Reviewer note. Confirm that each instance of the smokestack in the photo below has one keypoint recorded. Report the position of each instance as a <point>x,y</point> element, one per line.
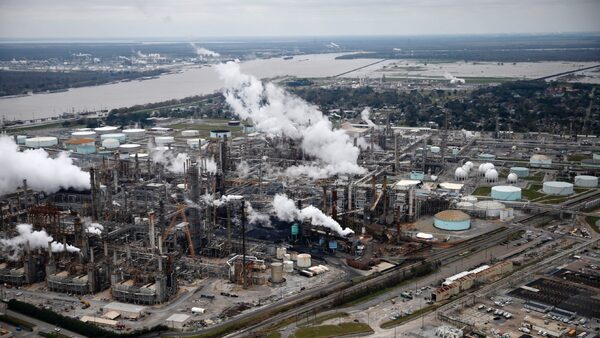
<point>396,163</point>
<point>160,267</point>
<point>325,198</point>
<point>160,246</point>
<point>152,232</point>
<point>91,255</point>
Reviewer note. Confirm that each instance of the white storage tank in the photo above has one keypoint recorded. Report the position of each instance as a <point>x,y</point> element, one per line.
<point>303,261</point>
<point>130,147</point>
<point>118,136</point>
<point>288,266</point>
<point>435,149</point>
<point>277,273</point>
<point>194,143</point>
<point>539,160</point>
<point>489,209</point>
<point>42,141</point>
<point>190,133</point>
<point>506,193</point>
<point>512,178</point>
<point>164,139</point>
<point>220,133</point>
<point>106,130</point>
<point>460,174</point>
<point>84,134</point>
<point>586,181</point>
<point>133,133</point>
<point>521,172</point>
<point>469,198</point>
<point>491,175</point>
<point>281,251</point>
<point>557,188</point>
<point>465,206</point>
<point>111,143</point>
<point>21,139</point>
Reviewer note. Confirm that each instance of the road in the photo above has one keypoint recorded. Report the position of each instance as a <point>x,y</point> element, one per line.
<point>41,326</point>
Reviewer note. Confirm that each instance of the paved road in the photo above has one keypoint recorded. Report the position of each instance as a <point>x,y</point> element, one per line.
<point>40,326</point>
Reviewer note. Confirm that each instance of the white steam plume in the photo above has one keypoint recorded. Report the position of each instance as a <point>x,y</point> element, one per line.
<point>276,113</point>
<point>174,164</point>
<point>286,210</point>
<point>364,115</point>
<point>211,165</point>
<point>38,239</point>
<point>255,217</point>
<point>202,52</point>
<point>93,228</point>
<point>243,169</point>
<point>453,79</point>
<point>42,172</point>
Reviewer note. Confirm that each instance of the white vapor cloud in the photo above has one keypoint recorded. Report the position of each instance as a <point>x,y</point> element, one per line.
<point>39,239</point>
<point>42,172</point>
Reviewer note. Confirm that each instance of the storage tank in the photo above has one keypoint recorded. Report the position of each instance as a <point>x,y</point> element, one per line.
<point>42,141</point>
<point>194,143</point>
<point>453,220</point>
<point>486,157</point>
<point>106,130</point>
<point>491,175</point>
<point>469,164</point>
<point>303,260</point>
<point>489,209</point>
<point>130,147</point>
<point>281,251</point>
<point>111,143</point>
<point>117,136</point>
<point>484,167</point>
<point>21,139</point>
<point>465,206</point>
<point>190,133</point>
<point>506,193</point>
<point>134,132</point>
<point>276,273</point>
<point>288,266</point>
<point>164,139</point>
<point>460,174</point>
<point>469,198</point>
<point>539,160</point>
<point>586,181</point>
<point>435,149</point>
<point>83,134</point>
<point>512,178</point>
<point>521,172</point>
<point>557,188</point>
<point>220,133</point>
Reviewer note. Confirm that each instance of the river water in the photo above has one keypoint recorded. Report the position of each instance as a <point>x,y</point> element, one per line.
<point>205,80</point>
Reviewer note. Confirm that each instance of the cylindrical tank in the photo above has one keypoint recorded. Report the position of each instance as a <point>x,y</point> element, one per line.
<point>288,266</point>
<point>133,133</point>
<point>465,206</point>
<point>164,139</point>
<point>83,134</point>
<point>190,133</point>
<point>295,229</point>
<point>455,151</point>
<point>130,147</point>
<point>557,188</point>
<point>303,261</point>
<point>487,157</point>
<point>194,143</point>
<point>435,149</point>
<point>220,133</point>
<point>469,198</point>
<point>276,272</point>
<point>280,252</point>
<point>452,220</point>
<point>42,141</point>
<point>586,181</point>
<point>522,172</point>
<point>106,130</point>
<point>506,193</point>
<point>287,257</point>
<point>489,209</point>
<point>111,143</point>
<point>21,139</point>
<point>118,136</point>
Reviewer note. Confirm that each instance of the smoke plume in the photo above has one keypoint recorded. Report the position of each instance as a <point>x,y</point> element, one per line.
<point>286,210</point>
<point>203,52</point>
<point>42,172</point>
<point>38,239</point>
<point>278,113</point>
<point>174,164</point>
<point>93,228</point>
<point>453,79</point>
<point>364,115</point>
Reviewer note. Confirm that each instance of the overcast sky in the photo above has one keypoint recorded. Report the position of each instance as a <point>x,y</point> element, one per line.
<point>66,19</point>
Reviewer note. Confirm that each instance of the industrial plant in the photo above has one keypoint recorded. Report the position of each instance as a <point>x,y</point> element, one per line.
<point>234,226</point>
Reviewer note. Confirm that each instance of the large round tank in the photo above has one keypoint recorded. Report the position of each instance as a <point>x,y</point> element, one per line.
<point>522,172</point>
<point>220,133</point>
<point>280,252</point>
<point>194,143</point>
<point>435,149</point>
<point>111,143</point>
<point>130,147</point>
<point>303,260</point>
<point>453,220</point>
<point>586,181</point>
<point>460,174</point>
<point>486,157</point>
<point>512,178</point>
<point>491,175</point>
<point>489,209</point>
<point>190,133</point>
<point>42,141</point>
<point>164,139</point>
<point>484,167</point>
<point>506,193</point>
<point>539,160</point>
<point>106,130</point>
<point>465,206</point>
<point>133,133</point>
<point>83,134</point>
<point>288,266</point>
<point>118,136</point>
<point>557,188</point>
<point>469,198</point>
<point>81,145</point>
<point>276,272</point>
<point>469,164</point>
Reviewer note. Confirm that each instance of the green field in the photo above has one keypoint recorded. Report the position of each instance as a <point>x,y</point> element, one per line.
<point>207,125</point>
<point>532,192</point>
<point>482,191</point>
<point>537,177</point>
<point>396,322</point>
<point>592,220</point>
<point>326,331</point>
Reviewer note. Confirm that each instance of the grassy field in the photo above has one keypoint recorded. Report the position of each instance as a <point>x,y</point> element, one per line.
<point>207,126</point>
<point>329,316</point>
<point>578,157</point>
<point>537,177</point>
<point>482,191</point>
<point>326,331</point>
<point>532,192</point>
<point>591,220</point>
